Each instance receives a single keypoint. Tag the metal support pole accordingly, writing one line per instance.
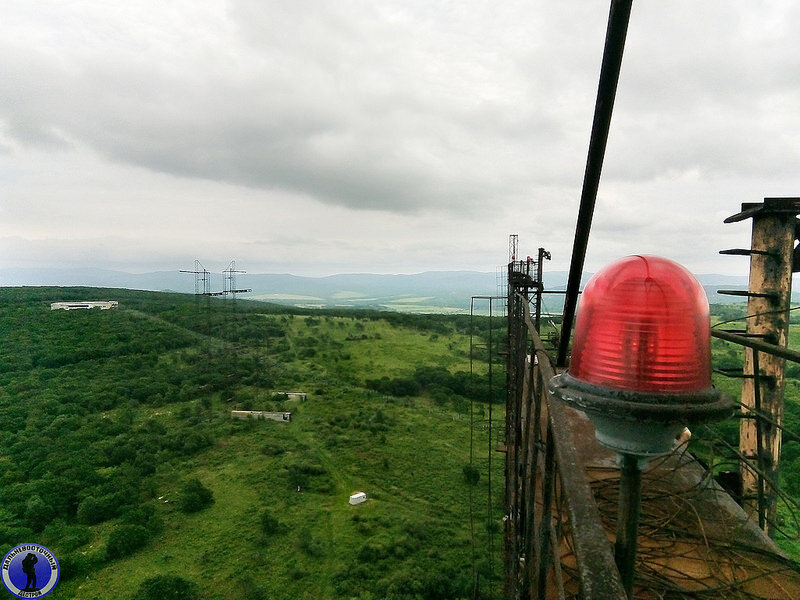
(513, 392)
(762, 522)
(531, 451)
(543, 557)
(630, 498)
(543, 254)
(490, 449)
(617, 30)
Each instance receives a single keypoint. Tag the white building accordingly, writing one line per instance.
(89, 304)
(292, 395)
(261, 414)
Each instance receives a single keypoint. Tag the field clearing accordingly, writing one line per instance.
(292, 297)
(423, 309)
(345, 295)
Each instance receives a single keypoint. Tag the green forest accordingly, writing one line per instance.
(118, 450)
(119, 453)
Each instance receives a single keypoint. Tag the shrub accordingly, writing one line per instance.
(92, 511)
(66, 536)
(125, 540)
(194, 496)
(304, 353)
(400, 387)
(460, 405)
(74, 564)
(144, 515)
(270, 524)
(306, 474)
(167, 587)
(251, 590)
(310, 544)
(471, 474)
(272, 449)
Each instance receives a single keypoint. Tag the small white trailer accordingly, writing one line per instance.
(358, 498)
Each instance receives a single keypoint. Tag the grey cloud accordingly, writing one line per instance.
(710, 91)
(408, 120)
(408, 106)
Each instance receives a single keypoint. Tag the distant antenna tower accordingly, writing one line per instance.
(201, 275)
(513, 247)
(229, 280)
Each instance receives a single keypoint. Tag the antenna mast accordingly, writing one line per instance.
(201, 275)
(229, 280)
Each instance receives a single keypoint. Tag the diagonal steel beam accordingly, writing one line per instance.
(617, 30)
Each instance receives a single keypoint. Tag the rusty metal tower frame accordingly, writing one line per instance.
(525, 288)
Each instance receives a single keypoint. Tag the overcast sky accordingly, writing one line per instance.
(389, 137)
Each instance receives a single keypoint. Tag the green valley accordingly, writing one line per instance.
(119, 453)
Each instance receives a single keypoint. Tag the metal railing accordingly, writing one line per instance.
(552, 512)
(556, 541)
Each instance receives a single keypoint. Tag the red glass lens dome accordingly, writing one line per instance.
(643, 326)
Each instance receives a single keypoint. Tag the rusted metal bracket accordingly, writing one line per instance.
(746, 252)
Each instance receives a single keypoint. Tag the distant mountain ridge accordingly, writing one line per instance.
(431, 291)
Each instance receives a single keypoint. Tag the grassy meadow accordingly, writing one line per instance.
(118, 451)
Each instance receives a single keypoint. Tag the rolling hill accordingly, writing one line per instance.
(429, 292)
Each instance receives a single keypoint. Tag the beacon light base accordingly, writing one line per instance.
(639, 423)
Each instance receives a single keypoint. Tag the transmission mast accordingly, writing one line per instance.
(202, 279)
(229, 280)
(513, 247)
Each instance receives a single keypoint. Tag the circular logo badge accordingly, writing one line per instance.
(30, 571)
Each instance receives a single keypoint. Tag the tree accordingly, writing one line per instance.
(37, 513)
(194, 496)
(125, 540)
(91, 511)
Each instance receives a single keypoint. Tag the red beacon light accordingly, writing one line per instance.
(641, 358)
